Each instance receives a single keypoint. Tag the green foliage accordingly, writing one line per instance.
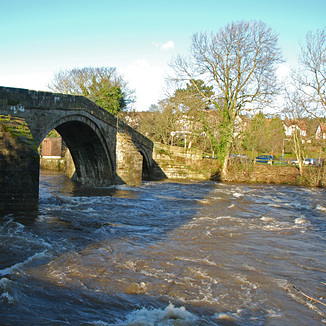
(223, 145)
(18, 129)
(107, 95)
(276, 135)
(102, 85)
(53, 133)
(255, 138)
(196, 96)
(5, 118)
(193, 107)
(162, 151)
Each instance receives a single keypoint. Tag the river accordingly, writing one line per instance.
(165, 253)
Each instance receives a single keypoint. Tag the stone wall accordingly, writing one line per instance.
(180, 163)
(19, 168)
(129, 161)
(53, 163)
(89, 130)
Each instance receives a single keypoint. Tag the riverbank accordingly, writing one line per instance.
(178, 163)
(183, 163)
(275, 174)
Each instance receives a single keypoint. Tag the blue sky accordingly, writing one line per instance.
(139, 38)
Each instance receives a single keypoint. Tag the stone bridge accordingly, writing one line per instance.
(105, 150)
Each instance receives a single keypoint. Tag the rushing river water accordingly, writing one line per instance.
(165, 253)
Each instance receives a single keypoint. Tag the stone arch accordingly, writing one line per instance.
(146, 172)
(88, 148)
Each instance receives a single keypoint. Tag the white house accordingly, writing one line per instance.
(321, 131)
(290, 127)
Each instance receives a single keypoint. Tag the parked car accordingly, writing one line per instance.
(265, 159)
(239, 157)
(309, 161)
(306, 161)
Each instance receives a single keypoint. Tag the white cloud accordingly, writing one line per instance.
(283, 71)
(168, 45)
(141, 63)
(165, 46)
(148, 81)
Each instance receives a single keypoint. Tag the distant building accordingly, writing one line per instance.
(321, 131)
(240, 125)
(52, 147)
(290, 127)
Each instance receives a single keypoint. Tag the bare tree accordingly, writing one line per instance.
(240, 62)
(158, 123)
(294, 111)
(309, 82)
(311, 78)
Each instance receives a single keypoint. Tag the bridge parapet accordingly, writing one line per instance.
(17, 100)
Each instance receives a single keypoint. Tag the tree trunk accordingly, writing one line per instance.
(298, 150)
(224, 171)
(226, 139)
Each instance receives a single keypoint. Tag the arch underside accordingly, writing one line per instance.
(146, 167)
(91, 158)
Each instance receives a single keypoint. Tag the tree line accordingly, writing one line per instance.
(226, 75)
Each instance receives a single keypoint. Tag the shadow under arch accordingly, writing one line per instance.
(88, 148)
(146, 175)
(151, 170)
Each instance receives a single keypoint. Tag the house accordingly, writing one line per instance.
(321, 131)
(290, 126)
(240, 125)
(51, 147)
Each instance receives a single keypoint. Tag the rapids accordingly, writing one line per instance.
(165, 253)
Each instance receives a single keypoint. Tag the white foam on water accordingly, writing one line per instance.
(5, 286)
(274, 205)
(268, 219)
(126, 187)
(7, 297)
(301, 220)
(321, 208)
(272, 224)
(197, 260)
(227, 318)
(5, 271)
(19, 266)
(197, 220)
(204, 201)
(171, 315)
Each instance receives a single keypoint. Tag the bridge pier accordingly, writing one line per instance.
(19, 171)
(129, 161)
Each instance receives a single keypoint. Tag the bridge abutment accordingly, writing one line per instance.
(19, 170)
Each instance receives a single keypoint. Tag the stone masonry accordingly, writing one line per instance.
(130, 161)
(92, 135)
(19, 164)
